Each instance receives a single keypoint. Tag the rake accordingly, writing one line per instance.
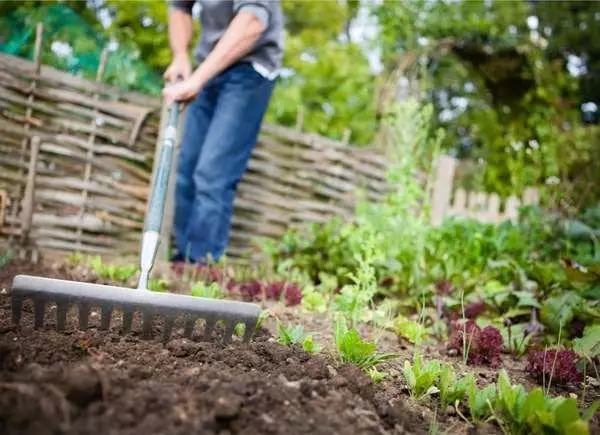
(64, 293)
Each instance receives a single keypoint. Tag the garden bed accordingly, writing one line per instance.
(103, 382)
(106, 382)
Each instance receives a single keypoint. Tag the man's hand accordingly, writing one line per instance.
(182, 91)
(180, 67)
(239, 38)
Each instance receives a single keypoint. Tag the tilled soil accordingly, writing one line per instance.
(103, 382)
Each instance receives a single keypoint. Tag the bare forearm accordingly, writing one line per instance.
(241, 35)
(180, 32)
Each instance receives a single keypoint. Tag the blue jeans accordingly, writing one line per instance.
(220, 131)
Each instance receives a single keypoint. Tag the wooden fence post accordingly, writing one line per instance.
(531, 196)
(39, 29)
(91, 142)
(442, 188)
(29, 201)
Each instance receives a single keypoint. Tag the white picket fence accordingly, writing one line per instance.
(484, 207)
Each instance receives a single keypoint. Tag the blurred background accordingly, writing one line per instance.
(513, 84)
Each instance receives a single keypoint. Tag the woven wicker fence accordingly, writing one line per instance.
(76, 163)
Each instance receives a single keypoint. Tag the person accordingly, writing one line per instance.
(239, 55)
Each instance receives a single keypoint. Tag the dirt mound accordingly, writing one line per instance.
(102, 382)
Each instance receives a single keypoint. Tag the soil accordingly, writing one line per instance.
(80, 382)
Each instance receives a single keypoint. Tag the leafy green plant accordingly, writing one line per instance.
(534, 412)
(75, 258)
(295, 335)
(113, 272)
(421, 378)
(411, 330)
(452, 390)
(158, 285)
(353, 349)
(589, 344)
(211, 290)
(355, 299)
(6, 257)
(240, 328)
(481, 401)
(376, 375)
(313, 301)
(516, 338)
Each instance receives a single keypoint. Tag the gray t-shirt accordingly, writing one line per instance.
(215, 16)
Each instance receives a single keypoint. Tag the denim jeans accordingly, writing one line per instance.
(220, 131)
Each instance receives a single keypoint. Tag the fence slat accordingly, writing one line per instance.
(111, 139)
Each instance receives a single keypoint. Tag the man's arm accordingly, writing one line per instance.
(246, 28)
(180, 34)
(180, 30)
(244, 31)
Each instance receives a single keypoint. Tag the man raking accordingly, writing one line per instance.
(239, 55)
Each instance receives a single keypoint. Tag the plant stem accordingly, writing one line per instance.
(555, 357)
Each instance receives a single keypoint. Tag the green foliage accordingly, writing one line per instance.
(288, 335)
(211, 290)
(313, 300)
(120, 273)
(421, 378)
(6, 257)
(515, 409)
(331, 85)
(452, 390)
(353, 349)
(411, 330)
(534, 412)
(78, 29)
(589, 344)
(145, 25)
(512, 268)
(481, 401)
(503, 90)
(240, 328)
(355, 298)
(517, 338)
(330, 80)
(158, 285)
(390, 227)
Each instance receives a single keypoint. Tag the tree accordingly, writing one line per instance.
(326, 76)
(506, 101)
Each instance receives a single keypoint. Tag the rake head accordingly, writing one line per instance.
(85, 295)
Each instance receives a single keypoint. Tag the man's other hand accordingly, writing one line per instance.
(180, 68)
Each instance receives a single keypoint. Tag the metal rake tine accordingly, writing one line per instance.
(250, 327)
(62, 308)
(169, 321)
(84, 315)
(190, 322)
(106, 317)
(39, 307)
(127, 320)
(229, 330)
(209, 326)
(147, 324)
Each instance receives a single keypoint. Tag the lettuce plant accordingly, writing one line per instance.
(295, 335)
(421, 378)
(553, 365)
(534, 412)
(452, 390)
(353, 349)
(480, 346)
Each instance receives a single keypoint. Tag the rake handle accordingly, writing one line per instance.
(161, 182)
